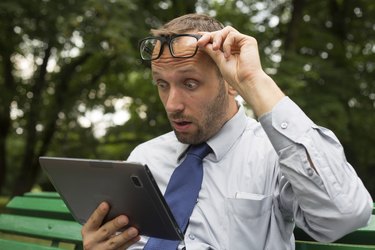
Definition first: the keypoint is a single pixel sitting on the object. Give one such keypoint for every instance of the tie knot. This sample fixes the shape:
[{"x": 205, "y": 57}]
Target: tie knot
[{"x": 199, "y": 150}]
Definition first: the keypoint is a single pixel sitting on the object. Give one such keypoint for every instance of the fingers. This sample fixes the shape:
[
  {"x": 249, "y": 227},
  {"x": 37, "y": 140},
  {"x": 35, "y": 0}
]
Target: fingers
[
  {"x": 98, "y": 236},
  {"x": 218, "y": 39},
  {"x": 96, "y": 219},
  {"x": 111, "y": 227},
  {"x": 122, "y": 240},
  {"x": 222, "y": 44},
  {"x": 235, "y": 54}
]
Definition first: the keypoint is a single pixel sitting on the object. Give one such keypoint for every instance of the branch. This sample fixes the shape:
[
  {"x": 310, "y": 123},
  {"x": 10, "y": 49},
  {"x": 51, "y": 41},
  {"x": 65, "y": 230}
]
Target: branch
[
  {"x": 62, "y": 88},
  {"x": 37, "y": 89},
  {"x": 30, "y": 165}
]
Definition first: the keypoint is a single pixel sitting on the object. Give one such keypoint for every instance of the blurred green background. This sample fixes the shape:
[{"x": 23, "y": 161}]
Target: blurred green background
[{"x": 72, "y": 83}]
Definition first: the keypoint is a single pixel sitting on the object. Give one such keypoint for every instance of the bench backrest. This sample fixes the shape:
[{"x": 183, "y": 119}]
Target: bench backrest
[{"x": 41, "y": 217}]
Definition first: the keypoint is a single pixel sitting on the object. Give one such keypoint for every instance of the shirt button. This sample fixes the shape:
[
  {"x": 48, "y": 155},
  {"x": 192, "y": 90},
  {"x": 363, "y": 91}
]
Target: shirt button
[
  {"x": 284, "y": 125},
  {"x": 192, "y": 236},
  {"x": 310, "y": 172}
]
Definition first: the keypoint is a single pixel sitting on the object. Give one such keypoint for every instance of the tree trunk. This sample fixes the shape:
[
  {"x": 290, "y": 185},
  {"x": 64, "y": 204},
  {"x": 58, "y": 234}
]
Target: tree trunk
[
  {"x": 27, "y": 174},
  {"x": 4, "y": 128},
  {"x": 5, "y": 121},
  {"x": 30, "y": 168},
  {"x": 294, "y": 24}
]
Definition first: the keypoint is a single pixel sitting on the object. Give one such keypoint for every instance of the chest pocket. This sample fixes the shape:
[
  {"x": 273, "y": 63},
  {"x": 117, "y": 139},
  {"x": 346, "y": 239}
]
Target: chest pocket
[{"x": 249, "y": 216}]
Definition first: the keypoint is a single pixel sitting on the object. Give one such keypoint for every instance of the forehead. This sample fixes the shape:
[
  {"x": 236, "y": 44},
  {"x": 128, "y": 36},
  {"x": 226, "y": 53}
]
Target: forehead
[{"x": 166, "y": 63}]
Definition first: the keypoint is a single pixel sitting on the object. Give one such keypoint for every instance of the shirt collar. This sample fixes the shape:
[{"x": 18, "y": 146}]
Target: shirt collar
[{"x": 222, "y": 141}]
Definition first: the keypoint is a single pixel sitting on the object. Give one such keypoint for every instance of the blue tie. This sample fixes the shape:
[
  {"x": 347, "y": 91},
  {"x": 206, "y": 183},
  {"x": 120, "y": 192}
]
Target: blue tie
[{"x": 182, "y": 193}]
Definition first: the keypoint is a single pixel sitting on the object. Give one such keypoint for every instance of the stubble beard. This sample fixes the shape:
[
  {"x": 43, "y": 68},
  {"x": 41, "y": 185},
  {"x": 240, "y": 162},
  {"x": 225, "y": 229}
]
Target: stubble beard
[{"x": 214, "y": 117}]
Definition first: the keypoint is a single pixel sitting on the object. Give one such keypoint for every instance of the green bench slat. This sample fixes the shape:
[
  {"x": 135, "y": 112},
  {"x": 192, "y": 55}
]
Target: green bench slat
[
  {"x": 39, "y": 206},
  {"x": 17, "y": 245},
  {"x": 53, "y": 195},
  {"x": 68, "y": 231},
  {"x": 309, "y": 245}
]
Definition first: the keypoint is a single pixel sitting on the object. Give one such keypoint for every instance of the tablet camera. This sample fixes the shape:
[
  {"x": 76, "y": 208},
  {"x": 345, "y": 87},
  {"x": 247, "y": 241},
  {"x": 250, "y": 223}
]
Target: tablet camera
[{"x": 136, "y": 181}]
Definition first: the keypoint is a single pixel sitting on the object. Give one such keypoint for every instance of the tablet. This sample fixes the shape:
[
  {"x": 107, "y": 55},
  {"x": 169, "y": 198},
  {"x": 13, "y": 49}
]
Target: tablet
[{"x": 129, "y": 188}]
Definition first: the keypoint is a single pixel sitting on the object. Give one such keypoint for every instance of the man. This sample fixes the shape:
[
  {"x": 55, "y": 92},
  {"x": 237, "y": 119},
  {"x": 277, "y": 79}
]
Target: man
[{"x": 260, "y": 179}]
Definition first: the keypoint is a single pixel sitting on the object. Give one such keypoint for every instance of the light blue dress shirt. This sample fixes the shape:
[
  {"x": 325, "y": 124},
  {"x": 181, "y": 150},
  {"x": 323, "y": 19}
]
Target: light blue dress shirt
[{"x": 258, "y": 183}]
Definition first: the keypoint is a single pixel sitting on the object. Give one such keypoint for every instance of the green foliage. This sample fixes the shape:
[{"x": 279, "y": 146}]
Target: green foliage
[
  {"x": 60, "y": 61},
  {"x": 82, "y": 56}
]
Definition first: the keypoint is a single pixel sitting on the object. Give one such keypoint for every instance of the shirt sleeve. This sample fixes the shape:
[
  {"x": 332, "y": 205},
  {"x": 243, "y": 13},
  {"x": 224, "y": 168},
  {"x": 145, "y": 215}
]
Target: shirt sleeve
[{"x": 327, "y": 201}]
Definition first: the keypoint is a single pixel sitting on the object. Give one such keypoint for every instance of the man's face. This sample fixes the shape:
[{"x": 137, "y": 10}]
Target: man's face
[{"x": 195, "y": 98}]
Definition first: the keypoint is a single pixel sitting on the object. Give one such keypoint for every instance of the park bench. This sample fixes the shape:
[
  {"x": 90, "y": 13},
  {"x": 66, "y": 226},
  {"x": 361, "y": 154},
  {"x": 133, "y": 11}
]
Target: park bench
[
  {"x": 38, "y": 221},
  {"x": 41, "y": 221}
]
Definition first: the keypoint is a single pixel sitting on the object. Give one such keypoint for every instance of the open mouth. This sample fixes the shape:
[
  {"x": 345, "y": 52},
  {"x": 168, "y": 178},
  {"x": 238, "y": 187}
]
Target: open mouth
[
  {"x": 181, "y": 126},
  {"x": 183, "y": 123}
]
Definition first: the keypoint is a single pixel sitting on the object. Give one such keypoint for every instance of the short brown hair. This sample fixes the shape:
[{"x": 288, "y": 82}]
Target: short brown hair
[{"x": 188, "y": 23}]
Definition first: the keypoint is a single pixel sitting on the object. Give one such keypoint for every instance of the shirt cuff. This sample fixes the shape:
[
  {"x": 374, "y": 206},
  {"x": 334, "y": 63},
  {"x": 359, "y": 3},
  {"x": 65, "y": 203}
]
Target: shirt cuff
[{"x": 285, "y": 124}]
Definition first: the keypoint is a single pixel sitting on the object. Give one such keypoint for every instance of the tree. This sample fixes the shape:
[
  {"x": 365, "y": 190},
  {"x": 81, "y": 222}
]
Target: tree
[
  {"x": 80, "y": 55},
  {"x": 44, "y": 33},
  {"x": 321, "y": 53},
  {"x": 62, "y": 61}
]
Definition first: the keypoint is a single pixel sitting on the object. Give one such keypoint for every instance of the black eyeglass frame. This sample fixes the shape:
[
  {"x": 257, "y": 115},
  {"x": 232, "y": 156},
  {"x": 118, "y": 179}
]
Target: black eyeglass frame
[{"x": 167, "y": 40}]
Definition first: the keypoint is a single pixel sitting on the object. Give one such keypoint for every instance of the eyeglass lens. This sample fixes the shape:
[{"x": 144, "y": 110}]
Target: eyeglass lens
[{"x": 180, "y": 46}]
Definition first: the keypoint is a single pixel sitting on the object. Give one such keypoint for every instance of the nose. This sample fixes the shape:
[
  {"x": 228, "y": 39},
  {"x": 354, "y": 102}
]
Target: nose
[{"x": 174, "y": 101}]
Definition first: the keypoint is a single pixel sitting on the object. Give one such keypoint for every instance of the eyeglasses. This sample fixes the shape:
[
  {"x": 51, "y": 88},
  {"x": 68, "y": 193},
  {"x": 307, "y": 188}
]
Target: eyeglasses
[{"x": 180, "y": 46}]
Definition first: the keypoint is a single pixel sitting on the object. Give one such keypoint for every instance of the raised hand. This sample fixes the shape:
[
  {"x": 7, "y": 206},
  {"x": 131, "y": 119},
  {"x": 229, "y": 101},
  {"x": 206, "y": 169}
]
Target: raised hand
[{"x": 237, "y": 57}]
